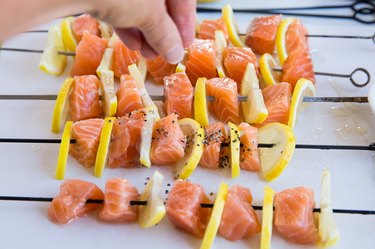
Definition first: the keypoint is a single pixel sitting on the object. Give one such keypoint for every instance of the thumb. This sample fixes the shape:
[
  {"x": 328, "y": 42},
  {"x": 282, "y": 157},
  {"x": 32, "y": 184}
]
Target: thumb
[{"x": 161, "y": 33}]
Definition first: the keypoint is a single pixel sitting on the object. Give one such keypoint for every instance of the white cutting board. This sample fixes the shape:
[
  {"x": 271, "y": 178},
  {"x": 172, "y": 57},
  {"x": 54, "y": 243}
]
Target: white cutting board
[{"x": 28, "y": 169}]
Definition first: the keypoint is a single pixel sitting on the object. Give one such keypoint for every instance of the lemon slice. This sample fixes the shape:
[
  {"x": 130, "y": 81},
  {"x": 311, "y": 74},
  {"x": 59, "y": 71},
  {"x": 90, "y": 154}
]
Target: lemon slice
[
  {"x": 275, "y": 159},
  {"x": 230, "y": 22},
  {"x": 328, "y": 231},
  {"x": 105, "y": 139},
  {"x": 142, "y": 67},
  {"x": 106, "y": 62},
  {"x": 146, "y": 99},
  {"x": 254, "y": 110},
  {"x": 200, "y": 102},
  {"x": 266, "y": 65},
  {"x": 214, "y": 222},
  {"x": 69, "y": 40},
  {"x": 303, "y": 88},
  {"x": 62, "y": 106},
  {"x": 181, "y": 68},
  {"x": 220, "y": 43},
  {"x": 267, "y": 218},
  {"x": 108, "y": 93},
  {"x": 146, "y": 138},
  {"x": 194, "y": 147},
  {"x": 151, "y": 214},
  {"x": 234, "y": 149},
  {"x": 51, "y": 62},
  {"x": 112, "y": 41},
  {"x": 63, "y": 152},
  {"x": 280, "y": 42},
  {"x": 106, "y": 30}
]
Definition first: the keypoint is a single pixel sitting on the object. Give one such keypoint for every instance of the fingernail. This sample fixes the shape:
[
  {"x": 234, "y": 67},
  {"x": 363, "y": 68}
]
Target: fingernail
[{"x": 175, "y": 54}]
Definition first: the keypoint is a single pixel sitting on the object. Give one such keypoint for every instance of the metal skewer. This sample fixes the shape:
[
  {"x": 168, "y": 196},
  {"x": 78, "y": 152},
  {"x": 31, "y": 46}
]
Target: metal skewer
[
  {"x": 144, "y": 203},
  {"x": 370, "y": 147}
]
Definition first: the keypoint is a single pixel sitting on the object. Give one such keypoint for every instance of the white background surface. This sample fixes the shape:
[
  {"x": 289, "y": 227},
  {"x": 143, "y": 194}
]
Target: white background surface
[{"x": 28, "y": 169}]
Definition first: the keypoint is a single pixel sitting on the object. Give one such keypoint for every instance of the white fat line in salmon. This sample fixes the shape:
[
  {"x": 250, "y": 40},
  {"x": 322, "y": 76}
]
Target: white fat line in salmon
[
  {"x": 144, "y": 203},
  {"x": 209, "y": 98},
  {"x": 370, "y": 147}
]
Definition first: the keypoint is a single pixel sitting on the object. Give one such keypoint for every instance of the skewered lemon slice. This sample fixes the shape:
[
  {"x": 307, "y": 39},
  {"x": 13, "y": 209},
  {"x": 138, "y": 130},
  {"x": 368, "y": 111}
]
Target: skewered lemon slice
[
  {"x": 303, "y": 88},
  {"x": 200, "y": 102},
  {"x": 194, "y": 147},
  {"x": 254, "y": 110},
  {"x": 68, "y": 38},
  {"x": 267, "y": 218},
  {"x": 276, "y": 158},
  {"x": 214, "y": 222},
  {"x": 234, "y": 149},
  {"x": 230, "y": 22},
  {"x": 142, "y": 67},
  {"x": 146, "y": 138},
  {"x": 181, "y": 68},
  {"x": 63, "y": 152},
  {"x": 105, "y": 139},
  {"x": 109, "y": 95},
  {"x": 146, "y": 99},
  {"x": 112, "y": 41},
  {"x": 152, "y": 213},
  {"x": 266, "y": 65},
  {"x": 220, "y": 43},
  {"x": 106, "y": 62},
  {"x": 281, "y": 50},
  {"x": 51, "y": 61},
  {"x": 61, "y": 109},
  {"x": 328, "y": 231},
  {"x": 106, "y": 30}
]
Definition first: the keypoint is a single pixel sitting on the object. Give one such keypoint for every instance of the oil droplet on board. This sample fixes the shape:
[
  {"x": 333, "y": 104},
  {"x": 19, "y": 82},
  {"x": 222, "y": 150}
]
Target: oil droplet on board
[
  {"x": 361, "y": 130},
  {"x": 343, "y": 132},
  {"x": 342, "y": 110},
  {"x": 35, "y": 147}
]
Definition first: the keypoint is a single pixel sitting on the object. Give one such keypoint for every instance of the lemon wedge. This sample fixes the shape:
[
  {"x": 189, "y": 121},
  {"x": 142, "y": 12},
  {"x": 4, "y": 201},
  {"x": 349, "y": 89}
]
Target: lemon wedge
[
  {"x": 108, "y": 93},
  {"x": 62, "y": 106},
  {"x": 106, "y": 30},
  {"x": 328, "y": 231},
  {"x": 142, "y": 67},
  {"x": 231, "y": 24},
  {"x": 63, "y": 152},
  {"x": 303, "y": 88},
  {"x": 280, "y": 42},
  {"x": 69, "y": 40},
  {"x": 200, "y": 102},
  {"x": 254, "y": 110},
  {"x": 152, "y": 213},
  {"x": 266, "y": 65},
  {"x": 275, "y": 159},
  {"x": 146, "y": 99},
  {"x": 194, "y": 147},
  {"x": 220, "y": 43},
  {"x": 106, "y": 62},
  {"x": 267, "y": 218},
  {"x": 105, "y": 139},
  {"x": 146, "y": 137},
  {"x": 234, "y": 149},
  {"x": 214, "y": 222},
  {"x": 51, "y": 62},
  {"x": 181, "y": 68}
]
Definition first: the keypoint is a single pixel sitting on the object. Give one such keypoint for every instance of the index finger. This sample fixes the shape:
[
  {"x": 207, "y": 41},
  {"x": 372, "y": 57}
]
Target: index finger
[{"x": 183, "y": 13}]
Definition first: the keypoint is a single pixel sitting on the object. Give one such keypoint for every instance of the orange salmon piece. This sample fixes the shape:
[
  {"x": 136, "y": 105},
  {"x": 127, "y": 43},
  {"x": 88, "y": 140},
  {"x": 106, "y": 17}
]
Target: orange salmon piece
[
  {"x": 159, "y": 68},
  {"x": 293, "y": 217},
  {"x": 296, "y": 37},
  {"x": 225, "y": 105},
  {"x": 208, "y": 27},
  {"x": 118, "y": 194},
  {"x": 128, "y": 96},
  {"x": 239, "y": 219},
  {"x": 168, "y": 144},
  {"x": 84, "y": 99},
  {"x": 70, "y": 204},
  {"x": 249, "y": 158},
  {"x": 184, "y": 207},
  {"x": 261, "y": 33},
  {"x": 178, "y": 95},
  {"x": 201, "y": 60},
  {"x": 87, "y": 136},
  {"x": 215, "y": 134},
  {"x": 89, "y": 53},
  {"x": 85, "y": 23},
  {"x": 122, "y": 58}
]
